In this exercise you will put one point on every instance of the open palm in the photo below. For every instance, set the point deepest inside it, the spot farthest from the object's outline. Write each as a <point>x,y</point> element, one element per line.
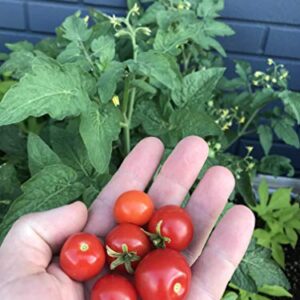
<point>28,271</point>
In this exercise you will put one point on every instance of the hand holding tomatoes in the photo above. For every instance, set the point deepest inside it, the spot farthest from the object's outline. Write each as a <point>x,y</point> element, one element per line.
<point>161,274</point>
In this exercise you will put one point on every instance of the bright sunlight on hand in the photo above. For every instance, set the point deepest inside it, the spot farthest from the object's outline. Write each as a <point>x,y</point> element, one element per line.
<point>28,271</point>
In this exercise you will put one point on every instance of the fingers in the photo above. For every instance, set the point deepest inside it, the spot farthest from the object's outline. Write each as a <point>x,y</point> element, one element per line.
<point>223,253</point>
<point>205,206</point>
<point>29,245</point>
<point>179,171</point>
<point>135,173</point>
<point>68,289</point>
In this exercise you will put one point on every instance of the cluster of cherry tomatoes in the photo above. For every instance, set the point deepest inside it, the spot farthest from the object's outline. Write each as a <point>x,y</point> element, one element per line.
<point>146,243</point>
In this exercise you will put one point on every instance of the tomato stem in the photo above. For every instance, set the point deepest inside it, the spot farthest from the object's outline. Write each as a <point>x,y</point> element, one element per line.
<point>125,258</point>
<point>158,240</point>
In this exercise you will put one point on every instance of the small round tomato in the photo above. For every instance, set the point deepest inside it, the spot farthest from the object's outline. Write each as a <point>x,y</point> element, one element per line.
<point>113,287</point>
<point>82,256</point>
<point>163,274</point>
<point>171,227</point>
<point>134,207</point>
<point>126,245</point>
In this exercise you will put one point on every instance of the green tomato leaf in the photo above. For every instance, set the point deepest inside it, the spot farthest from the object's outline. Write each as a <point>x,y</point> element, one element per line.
<point>215,28</point>
<point>20,46</point>
<point>49,89</point>
<point>197,88</point>
<point>285,131</point>
<point>76,29</point>
<point>208,8</point>
<point>244,187</point>
<point>89,195</point>
<point>274,290</point>
<point>185,122</point>
<point>71,54</point>
<point>150,15</point>
<point>5,86</point>
<point>205,41</point>
<point>257,269</point>
<point>243,69</point>
<point>265,137</point>
<point>143,85</point>
<point>54,186</point>
<point>67,143</point>
<point>107,83</point>
<point>13,142</point>
<point>9,183</point>
<point>291,101</point>
<point>18,64</point>
<point>230,296</point>
<point>159,67</point>
<point>276,165</point>
<point>39,154</point>
<point>104,48</point>
<point>99,127</point>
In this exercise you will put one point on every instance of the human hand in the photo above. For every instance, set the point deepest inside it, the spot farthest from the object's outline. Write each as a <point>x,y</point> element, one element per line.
<point>28,271</point>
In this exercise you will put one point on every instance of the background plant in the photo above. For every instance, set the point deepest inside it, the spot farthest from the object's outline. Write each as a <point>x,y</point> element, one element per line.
<point>105,82</point>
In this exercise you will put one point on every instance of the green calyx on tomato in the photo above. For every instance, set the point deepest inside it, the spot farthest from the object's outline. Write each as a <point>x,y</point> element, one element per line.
<point>158,240</point>
<point>125,258</point>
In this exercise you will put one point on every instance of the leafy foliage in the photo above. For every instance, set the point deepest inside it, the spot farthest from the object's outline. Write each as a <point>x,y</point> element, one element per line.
<point>282,219</point>
<point>74,105</point>
<point>257,270</point>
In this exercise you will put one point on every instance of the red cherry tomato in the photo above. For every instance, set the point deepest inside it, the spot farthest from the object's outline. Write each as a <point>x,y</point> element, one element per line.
<point>172,227</point>
<point>113,287</point>
<point>163,274</point>
<point>126,245</point>
<point>134,207</point>
<point>82,256</point>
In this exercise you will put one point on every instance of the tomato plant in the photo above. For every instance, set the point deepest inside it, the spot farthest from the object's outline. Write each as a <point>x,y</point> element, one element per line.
<point>126,244</point>
<point>82,256</point>
<point>163,274</point>
<point>113,287</point>
<point>133,207</point>
<point>171,227</point>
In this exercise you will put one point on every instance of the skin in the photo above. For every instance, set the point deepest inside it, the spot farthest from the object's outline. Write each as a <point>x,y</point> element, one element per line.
<point>28,272</point>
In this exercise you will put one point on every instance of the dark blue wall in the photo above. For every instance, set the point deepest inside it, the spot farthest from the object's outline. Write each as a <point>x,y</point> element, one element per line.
<point>264,28</point>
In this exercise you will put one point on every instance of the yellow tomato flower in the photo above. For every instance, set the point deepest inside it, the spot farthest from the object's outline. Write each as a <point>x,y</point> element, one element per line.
<point>258,74</point>
<point>115,100</point>
<point>249,149</point>
<point>242,120</point>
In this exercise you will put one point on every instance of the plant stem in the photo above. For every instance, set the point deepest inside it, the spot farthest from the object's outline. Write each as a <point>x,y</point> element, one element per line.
<point>186,60</point>
<point>126,96</point>
<point>87,56</point>
<point>244,129</point>
<point>128,103</point>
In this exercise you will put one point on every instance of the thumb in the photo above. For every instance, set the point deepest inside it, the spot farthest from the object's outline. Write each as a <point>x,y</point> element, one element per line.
<point>34,238</point>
